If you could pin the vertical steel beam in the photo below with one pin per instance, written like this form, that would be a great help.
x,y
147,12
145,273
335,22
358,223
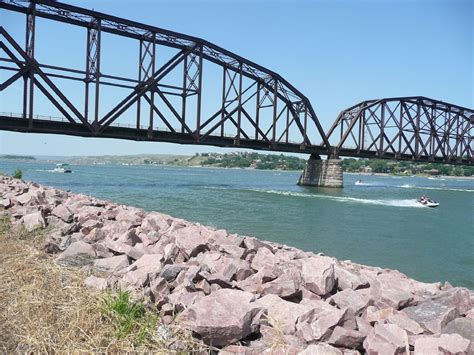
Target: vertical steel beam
x,y
239,112
199,95
382,126
97,73
28,87
224,80
400,132
257,111
287,124
185,93
152,91
275,108
140,68
87,78
362,118
417,130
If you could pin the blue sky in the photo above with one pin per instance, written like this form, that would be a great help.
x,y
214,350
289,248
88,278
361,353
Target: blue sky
x,y
337,53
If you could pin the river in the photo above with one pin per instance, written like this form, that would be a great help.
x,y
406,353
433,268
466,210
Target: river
x,y
376,223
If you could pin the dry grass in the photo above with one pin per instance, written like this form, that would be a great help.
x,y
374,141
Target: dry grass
x,y
47,309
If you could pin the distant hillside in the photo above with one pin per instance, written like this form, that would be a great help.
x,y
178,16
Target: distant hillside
x,y
158,159
17,157
252,161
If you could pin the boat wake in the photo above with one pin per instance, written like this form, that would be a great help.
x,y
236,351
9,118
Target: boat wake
x,y
392,203
407,186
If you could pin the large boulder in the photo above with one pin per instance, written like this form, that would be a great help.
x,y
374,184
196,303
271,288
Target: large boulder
x,y
321,327
223,317
348,298
321,349
191,240
449,344
287,285
318,274
346,338
406,323
432,315
112,264
282,314
347,278
77,254
33,221
387,339
461,326
63,212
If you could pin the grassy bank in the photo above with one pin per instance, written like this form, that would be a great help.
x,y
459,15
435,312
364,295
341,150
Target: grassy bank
x,y
46,308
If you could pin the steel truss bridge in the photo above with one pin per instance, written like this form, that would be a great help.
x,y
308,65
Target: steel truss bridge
x,y
190,91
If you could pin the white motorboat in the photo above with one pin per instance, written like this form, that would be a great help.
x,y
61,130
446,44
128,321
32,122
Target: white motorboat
x,y
62,168
428,202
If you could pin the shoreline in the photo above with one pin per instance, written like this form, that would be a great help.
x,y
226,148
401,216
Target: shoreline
x,y
200,274
451,177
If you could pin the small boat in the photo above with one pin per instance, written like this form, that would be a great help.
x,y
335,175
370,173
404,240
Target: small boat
x,y
428,202
62,168
359,182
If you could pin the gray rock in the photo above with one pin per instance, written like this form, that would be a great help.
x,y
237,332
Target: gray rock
x,y
5,202
112,264
449,344
33,221
282,314
432,315
96,283
461,326
77,254
169,272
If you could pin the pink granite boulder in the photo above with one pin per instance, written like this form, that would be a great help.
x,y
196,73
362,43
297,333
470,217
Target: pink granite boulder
x,y
318,274
223,317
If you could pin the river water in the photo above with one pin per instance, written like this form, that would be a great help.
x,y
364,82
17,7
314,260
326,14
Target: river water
x,y
376,223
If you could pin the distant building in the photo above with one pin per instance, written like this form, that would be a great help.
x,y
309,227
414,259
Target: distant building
x,y
431,172
365,169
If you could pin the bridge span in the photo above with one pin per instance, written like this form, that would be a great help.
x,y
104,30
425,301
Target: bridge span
x,y
187,90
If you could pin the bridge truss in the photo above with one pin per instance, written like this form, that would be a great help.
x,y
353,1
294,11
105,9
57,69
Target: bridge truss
x,y
176,76
409,128
184,89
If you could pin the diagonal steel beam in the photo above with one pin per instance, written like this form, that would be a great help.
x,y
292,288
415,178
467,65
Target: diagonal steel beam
x,y
35,67
140,90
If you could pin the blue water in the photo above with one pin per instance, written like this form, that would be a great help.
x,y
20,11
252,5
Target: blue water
x,y
376,223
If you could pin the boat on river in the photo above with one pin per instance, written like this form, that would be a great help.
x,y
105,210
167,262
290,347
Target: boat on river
x,y
62,168
428,202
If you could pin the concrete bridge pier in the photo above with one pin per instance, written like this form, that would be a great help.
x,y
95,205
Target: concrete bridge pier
x,y
322,173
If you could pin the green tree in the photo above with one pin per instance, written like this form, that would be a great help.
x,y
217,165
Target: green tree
x,y
18,174
379,166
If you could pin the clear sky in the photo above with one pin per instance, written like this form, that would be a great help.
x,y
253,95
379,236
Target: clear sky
x,y
336,52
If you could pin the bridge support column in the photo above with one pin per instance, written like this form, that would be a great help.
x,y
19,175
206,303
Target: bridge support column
x,y
323,173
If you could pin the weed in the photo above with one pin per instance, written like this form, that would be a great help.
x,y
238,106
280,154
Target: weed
x,y
18,174
128,316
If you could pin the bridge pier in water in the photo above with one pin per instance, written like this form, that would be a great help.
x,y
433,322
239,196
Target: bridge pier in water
x,y
322,173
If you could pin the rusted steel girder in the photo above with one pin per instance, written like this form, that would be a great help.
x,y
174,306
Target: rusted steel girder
x,y
253,105
412,128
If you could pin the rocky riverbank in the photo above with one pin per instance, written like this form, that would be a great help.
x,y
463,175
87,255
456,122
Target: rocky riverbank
x,y
237,293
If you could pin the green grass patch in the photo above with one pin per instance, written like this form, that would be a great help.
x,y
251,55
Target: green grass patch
x,y
129,317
